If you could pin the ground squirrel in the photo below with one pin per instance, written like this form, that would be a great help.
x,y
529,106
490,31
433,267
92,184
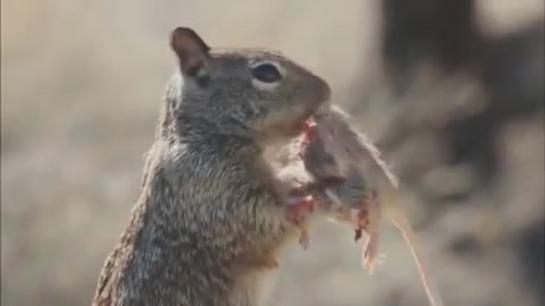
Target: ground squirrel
x,y
211,217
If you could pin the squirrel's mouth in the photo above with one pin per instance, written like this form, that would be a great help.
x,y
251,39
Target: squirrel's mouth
x,y
308,120
302,126
309,127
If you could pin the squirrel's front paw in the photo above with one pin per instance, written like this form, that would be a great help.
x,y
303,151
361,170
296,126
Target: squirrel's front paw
x,y
298,208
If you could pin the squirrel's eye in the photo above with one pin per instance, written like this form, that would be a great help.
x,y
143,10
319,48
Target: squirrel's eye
x,y
267,73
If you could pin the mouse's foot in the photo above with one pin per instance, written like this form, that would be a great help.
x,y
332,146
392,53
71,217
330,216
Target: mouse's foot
x,y
360,220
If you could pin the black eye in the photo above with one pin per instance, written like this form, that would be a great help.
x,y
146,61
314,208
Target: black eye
x,y
267,73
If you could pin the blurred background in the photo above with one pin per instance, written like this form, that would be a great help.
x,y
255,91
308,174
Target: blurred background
x,y
451,90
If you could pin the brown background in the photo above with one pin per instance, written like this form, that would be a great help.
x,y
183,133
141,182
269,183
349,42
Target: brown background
x,y
81,87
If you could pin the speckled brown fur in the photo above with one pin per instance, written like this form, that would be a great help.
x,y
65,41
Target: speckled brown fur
x,y
210,220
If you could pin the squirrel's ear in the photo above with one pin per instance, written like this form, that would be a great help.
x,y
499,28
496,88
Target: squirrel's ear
x,y
191,50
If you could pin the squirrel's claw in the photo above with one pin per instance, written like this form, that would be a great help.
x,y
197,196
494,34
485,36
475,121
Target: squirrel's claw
x,y
299,207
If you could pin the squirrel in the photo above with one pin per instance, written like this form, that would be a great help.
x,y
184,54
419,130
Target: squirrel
x,y
212,216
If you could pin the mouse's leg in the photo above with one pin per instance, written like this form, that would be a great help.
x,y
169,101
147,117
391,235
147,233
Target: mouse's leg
x,y
368,219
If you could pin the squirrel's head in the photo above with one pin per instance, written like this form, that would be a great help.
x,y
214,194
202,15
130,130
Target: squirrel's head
x,y
258,94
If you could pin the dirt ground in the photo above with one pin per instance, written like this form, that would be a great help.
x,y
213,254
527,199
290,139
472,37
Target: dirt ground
x,y
82,83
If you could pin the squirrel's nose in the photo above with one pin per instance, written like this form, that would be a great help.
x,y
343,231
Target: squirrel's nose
x,y
322,90
326,89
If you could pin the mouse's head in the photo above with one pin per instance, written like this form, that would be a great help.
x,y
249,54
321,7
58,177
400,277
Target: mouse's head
x,y
258,94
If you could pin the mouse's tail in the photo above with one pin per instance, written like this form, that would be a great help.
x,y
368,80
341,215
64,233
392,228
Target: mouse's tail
x,y
398,218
